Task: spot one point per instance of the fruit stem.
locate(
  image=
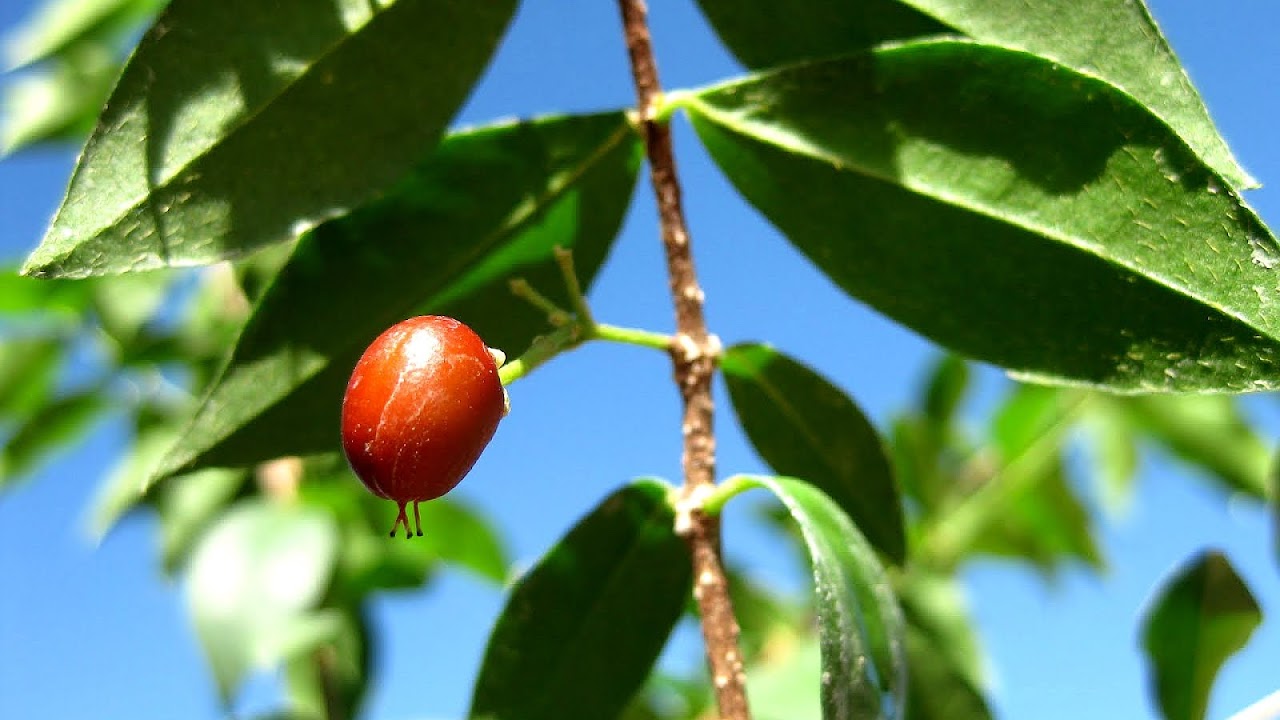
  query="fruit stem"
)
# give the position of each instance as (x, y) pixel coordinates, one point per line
(631, 336)
(555, 315)
(564, 258)
(694, 352)
(543, 349)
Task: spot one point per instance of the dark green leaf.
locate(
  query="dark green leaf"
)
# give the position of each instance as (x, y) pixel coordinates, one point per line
(1116, 40)
(1104, 251)
(253, 586)
(763, 34)
(56, 424)
(584, 626)
(490, 204)
(1202, 616)
(236, 123)
(860, 627)
(1208, 432)
(804, 426)
(945, 390)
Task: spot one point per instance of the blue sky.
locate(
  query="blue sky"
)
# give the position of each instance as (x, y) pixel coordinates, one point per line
(96, 632)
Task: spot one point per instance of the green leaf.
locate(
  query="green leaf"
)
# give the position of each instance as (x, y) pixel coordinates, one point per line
(945, 391)
(488, 205)
(63, 299)
(939, 690)
(935, 608)
(1208, 432)
(1035, 514)
(60, 24)
(186, 507)
(1202, 616)
(330, 681)
(763, 616)
(860, 627)
(804, 426)
(1106, 253)
(584, 626)
(782, 688)
(28, 368)
(1116, 40)
(253, 586)
(59, 102)
(54, 425)
(236, 123)
(1113, 449)
(764, 34)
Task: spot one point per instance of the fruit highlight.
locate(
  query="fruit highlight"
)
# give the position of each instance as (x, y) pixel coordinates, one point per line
(421, 405)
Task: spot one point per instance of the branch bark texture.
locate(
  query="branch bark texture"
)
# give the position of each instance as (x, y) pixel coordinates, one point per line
(694, 357)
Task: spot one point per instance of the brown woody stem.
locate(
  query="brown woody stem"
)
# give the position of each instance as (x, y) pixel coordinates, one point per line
(693, 355)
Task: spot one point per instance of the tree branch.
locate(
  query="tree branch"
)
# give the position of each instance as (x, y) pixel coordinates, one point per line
(693, 357)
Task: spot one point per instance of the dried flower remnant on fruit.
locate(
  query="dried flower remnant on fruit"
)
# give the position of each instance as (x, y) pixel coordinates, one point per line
(421, 405)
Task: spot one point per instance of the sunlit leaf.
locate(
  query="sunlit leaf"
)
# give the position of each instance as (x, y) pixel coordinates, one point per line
(239, 122)
(1107, 253)
(1113, 39)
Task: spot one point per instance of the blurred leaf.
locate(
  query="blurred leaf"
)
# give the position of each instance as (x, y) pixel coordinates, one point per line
(945, 390)
(125, 304)
(935, 608)
(59, 102)
(938, 689)
(583, 627)
(329, 682)
(1114, 451)
(488, 205)
(763, 616)
(1107, 254)
(1198, 619)
(24, 296)
(236, 123)
(28, 368)
(804, 426)
(859, 624)
(189, 507)
(53, 426)
(1209, 432)
(1013, 498)
(56, 25)
(783, 688)
(1116, 40)
(253, 585)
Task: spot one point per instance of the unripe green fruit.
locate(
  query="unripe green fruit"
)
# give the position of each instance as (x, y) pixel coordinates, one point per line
(422, 403)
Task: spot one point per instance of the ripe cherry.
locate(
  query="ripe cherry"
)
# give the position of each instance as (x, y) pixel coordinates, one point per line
(422, 403)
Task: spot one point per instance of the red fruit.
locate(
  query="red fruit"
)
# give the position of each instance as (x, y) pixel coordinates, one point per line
(422, 404)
